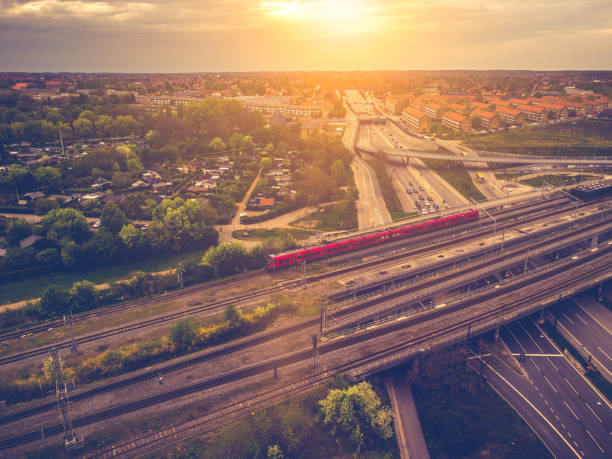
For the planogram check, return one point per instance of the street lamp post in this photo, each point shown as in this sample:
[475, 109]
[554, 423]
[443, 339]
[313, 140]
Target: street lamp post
[490, 216]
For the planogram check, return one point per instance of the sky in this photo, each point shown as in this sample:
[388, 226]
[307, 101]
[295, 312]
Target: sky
[252, 35]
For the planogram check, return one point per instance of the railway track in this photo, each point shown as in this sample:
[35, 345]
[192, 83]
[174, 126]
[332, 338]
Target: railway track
[448, 333]
[421, 248]
[149, 374]
[160, 298]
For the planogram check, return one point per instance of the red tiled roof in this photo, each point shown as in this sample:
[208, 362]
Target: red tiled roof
[414, 112]
[482, 114]
[479, 105]
[454, 116]
[458, 107]
[551, 106]
[530, 108]
[508, 111]
[433, 106]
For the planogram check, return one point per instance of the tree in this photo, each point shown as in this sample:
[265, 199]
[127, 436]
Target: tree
[357, 411]
[226, 258]
[54, 300]
[266, 164]
[83, 296]
[105, 126]
[274, 452]
[83, 128]
[112, 218]
[61, 225]
[217, 144]
[182, 334]
[231, 313]
[43, 206]
[48, 178]
[18, 230]
[121, 179]
[19, 178]
[48, 257]
[131, 236]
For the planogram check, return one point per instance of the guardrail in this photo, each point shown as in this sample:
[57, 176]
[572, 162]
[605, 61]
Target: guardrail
[454, 299]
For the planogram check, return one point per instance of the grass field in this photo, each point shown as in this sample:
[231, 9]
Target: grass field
[555, 179]
[271, 234]
[577, 138]
[457, 176]
[33, 287]
[389, 195]
[463, 417]
[327, 220]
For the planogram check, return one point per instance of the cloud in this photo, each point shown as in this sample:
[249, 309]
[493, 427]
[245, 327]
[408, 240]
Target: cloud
[236, 34]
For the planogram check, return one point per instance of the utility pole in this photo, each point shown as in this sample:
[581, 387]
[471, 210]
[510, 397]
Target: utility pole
[304, 274]
[73, 346]
[179, 274]
[490, 216]
[71, 439]
[526, 261]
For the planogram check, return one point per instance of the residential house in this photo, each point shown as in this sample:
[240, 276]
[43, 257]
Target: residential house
[510, 115]
[416, 119]
[488, 120]
[533, 112]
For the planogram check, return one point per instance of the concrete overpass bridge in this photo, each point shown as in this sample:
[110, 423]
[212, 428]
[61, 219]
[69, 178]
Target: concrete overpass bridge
[397, 153]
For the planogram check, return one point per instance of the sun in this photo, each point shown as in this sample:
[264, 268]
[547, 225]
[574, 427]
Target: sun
[330, 11]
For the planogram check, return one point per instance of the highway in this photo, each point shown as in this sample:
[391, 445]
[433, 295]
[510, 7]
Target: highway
[558, 403]
[585, 323]
[416, 171]
[371, 208]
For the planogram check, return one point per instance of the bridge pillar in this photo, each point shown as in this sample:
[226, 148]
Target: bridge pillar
[496, 335]
[541, 319]
[599, 291]
[594, 240]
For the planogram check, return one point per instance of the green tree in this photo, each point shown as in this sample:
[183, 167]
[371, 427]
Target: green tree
[105, 126]
[43, 206]
[182, 334]
[274, 452]
[217, 144]
[112, 218]
[226, 258]
[18, 230]
[232, 313]
[121, 179]
[54, 300]
[266, 164]
[48, 178]
[48, 256]
[61, 225]
[83, 128]
[357, 412]
[83, 296]
[131, 236]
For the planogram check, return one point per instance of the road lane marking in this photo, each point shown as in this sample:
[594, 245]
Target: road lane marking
[530, 337]
[568, 383]
[535, 409]
[591, 316]
[516, 339]
[572, 411]
[595, 441]
[554, 366]
[548, 381]
[580, 317]
[594, 414]
[536, 365]
[604, 353]
[570, 320]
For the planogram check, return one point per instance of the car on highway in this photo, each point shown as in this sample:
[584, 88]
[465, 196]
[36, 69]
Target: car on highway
[415, 190]
[421, 188]
[408, 190]
[421, 197]
[410, 184]
[426, 203]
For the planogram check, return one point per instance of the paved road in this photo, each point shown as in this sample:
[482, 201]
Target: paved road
[566, 412]
[587, 324]
[371, 208]
[242, 204]
[435, 186]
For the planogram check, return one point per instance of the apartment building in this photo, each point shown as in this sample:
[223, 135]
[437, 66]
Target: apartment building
[416, 119]
[510, 115]
[434, 111]
[487, 120]
[457, 121]
[479, 105]
[554, 111]
[533, 112]
[459, 108]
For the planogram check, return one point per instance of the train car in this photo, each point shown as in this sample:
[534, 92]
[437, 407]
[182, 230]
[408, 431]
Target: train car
[299, 256]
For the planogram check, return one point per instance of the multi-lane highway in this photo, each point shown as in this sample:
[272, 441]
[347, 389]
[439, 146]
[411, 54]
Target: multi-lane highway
[371, 208]
[568, 414]
[587, 324]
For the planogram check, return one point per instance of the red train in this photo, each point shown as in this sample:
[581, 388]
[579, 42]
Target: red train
[282, 260]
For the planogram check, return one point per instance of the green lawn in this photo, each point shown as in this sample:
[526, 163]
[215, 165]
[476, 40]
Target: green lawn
[457, 176]
[555, 179]
[271, 234]
[463, 417]
[583, 137]
[389, 195]
[33, 287]
[327, 220]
